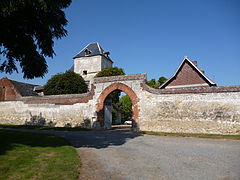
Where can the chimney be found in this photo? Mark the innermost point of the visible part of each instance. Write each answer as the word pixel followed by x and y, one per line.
pixel 195 63
pixel 202 71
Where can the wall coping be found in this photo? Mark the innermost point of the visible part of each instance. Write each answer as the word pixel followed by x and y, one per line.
pixel 62 96
pixel 142 76
pixel 192 90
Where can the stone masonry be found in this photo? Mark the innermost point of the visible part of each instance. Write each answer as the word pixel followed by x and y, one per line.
pixel 193 110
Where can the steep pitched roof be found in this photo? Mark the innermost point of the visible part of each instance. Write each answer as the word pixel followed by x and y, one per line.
pixel 199 72
pixel 92 49
pixel 24 89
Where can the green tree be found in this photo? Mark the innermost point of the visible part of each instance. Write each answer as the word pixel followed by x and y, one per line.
pixel 65 83
pixel 27 33
pixel 113 71
pixel 125 104
pixel 152 83
pixel 162 80
pixel 156 84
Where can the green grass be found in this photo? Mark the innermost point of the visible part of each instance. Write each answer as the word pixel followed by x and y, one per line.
pixel 44 127
pixel 25 155
pixel 214 136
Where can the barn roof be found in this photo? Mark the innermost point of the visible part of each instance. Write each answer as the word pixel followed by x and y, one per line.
pixel 24 89
pixel 201 74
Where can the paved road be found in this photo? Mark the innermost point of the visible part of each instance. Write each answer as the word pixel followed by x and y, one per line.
pixel 123 155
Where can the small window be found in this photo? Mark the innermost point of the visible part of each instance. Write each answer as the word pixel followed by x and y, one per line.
pixel 85 72
pixel 87 52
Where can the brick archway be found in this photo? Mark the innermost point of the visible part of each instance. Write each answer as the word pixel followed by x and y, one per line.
pixel 124 88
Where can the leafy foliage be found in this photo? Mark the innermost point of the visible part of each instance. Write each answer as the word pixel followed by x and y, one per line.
pixel 122 104
pixel 113 71
pixel 152 83
pixel 162 80
pixel 27 31
pixel 114 96
pixel 125 104
pixel 156 84
pixel 66 83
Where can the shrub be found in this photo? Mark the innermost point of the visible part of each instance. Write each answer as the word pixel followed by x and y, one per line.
pixel 113 71
pixel 125 104
pixel 65 83
pixel 156 84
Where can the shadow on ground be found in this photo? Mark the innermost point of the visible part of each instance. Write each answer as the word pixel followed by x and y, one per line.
pixel 11 139
pixel 91 139
pixel 100 139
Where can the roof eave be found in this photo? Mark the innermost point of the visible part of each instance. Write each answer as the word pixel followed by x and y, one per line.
pixel 210 82
pixel 95 55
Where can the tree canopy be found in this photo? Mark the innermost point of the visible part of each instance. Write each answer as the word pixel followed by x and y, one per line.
pixel 65 83
pixel 27 33
pixel 113 71
pixel 125 104
pixel 156 84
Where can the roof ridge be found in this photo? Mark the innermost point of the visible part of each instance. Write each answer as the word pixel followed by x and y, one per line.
pixel 200 71
pixel 95 49
pixel 194 66
pixel 24 82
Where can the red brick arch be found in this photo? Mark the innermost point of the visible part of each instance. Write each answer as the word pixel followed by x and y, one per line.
pixel 124 88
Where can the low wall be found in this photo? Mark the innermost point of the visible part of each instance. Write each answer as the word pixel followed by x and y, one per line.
pixel 191 110
pixel 208 110
pixel 19 113
pixel 67 99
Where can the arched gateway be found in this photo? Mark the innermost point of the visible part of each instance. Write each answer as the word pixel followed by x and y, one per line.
pixel 108 90
pixel 188 102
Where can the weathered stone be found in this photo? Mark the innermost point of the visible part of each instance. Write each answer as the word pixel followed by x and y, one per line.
pixel 195 110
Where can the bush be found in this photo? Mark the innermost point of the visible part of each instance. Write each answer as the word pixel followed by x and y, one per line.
pixel 156 84
pixel 65 83
pixel 125 104
pixel 113 71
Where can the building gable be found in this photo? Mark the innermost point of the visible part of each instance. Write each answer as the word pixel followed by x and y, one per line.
pixel 11 90
pixel 188 75
pixel 93 49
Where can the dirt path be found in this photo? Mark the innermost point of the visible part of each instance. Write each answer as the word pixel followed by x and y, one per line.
pixel 123 155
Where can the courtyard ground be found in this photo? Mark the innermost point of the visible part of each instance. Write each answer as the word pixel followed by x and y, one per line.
pixel 120 154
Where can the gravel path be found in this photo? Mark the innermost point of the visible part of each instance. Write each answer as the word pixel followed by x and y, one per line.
pixel 123 155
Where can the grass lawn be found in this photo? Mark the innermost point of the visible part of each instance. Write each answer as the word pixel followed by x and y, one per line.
pixel 214 136
pixel 44 127
pixel 25 155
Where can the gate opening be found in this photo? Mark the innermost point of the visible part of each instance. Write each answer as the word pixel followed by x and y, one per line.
pixel 105 110
pixel 118 110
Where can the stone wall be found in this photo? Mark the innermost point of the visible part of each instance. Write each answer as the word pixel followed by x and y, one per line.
pixel 192 110
pixel 217 113
pixel 17 112
pixel 67 99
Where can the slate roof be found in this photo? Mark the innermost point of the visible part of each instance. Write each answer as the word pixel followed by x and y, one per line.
pixel 208 81
pixel 72 68
pixel 24 89
pixel 94 49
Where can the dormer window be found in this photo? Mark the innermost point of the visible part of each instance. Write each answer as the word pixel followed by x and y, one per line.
pixel 84 72
pixel 87 52
pixel 106 54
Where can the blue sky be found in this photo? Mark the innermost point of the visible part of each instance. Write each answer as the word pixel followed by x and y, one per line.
pixel 153 36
